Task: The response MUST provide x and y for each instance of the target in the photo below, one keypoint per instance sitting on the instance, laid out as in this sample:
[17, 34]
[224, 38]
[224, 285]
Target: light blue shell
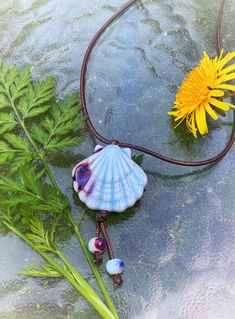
[115, 182]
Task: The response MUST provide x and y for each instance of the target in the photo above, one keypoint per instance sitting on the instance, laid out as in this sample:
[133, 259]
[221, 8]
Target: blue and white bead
[96, 245]
[115, 266]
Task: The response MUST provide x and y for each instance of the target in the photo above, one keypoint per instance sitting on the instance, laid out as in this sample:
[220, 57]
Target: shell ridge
[111, 167]
[116, 188]
[139, 174]
[118, 171]
[102, 193]
[97, 161]
[130, 184]
[103, 164]
[120, 181]
[112, 195]
[139, 188]
[133, 168]
[130, 163]
[107, 183]
[98, 170]
[126, 151]
[124, 194]
[123, 165]
[133, 192]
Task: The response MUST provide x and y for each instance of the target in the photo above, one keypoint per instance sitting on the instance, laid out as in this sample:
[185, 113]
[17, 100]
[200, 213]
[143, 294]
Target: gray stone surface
[179, 246]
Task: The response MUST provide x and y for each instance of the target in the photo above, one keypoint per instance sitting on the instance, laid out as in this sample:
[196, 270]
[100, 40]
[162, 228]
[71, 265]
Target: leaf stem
[73, 271]
[70, 274]
[53, 227]
[34, 144]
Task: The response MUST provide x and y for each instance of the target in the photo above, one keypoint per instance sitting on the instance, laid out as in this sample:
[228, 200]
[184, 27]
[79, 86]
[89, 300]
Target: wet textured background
[179, 245]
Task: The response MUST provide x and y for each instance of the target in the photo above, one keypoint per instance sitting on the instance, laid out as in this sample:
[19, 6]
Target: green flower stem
[70, 217]
[73, 271]
[93, 267]
[70, 274]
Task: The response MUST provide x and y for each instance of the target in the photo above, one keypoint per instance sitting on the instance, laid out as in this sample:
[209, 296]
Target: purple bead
[82, 175]
[96, 245]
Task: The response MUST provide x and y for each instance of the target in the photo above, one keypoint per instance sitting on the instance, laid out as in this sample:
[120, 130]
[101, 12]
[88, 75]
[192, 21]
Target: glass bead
[96, 245]
[115, 266]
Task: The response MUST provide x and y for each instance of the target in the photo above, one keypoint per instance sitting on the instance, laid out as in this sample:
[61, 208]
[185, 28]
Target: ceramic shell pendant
[109, 181]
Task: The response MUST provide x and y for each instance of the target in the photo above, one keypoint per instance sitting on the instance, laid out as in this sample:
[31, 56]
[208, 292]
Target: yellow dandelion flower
[202, 92]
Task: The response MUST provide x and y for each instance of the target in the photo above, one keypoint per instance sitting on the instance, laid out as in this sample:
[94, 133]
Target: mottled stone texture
[178, 245]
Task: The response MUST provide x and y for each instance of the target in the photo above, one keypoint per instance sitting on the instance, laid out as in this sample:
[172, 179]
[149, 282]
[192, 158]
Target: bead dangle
[108, 181]
[114, 266]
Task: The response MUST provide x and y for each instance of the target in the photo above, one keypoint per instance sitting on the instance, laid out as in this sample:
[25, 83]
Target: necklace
[109, 180]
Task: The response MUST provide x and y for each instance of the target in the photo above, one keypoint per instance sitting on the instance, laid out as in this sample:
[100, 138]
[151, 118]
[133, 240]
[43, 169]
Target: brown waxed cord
[97, 234]
[105, 140]
[106, 237]
[98, 259]
[100, 226]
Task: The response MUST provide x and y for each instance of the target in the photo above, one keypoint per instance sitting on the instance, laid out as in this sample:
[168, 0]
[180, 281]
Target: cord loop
[145, 150]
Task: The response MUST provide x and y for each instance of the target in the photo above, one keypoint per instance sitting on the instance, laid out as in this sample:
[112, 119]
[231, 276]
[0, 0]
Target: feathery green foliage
[41, 270]
[138, 159]
[32, 126]
[54, 133]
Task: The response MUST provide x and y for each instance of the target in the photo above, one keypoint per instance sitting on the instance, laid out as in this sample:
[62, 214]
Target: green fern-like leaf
[4, 102]
[6, 153]
[29, 189]
[16, 153]
[39, 134]
[37, 100]
[39, 234]
[15, 158]
[36, 226]
[57, 144]
[56, 131]
[57, 200]
[7, 122]
[138, 159]
[22, 160]
[19, 82]
[17, 141]
[13, 83]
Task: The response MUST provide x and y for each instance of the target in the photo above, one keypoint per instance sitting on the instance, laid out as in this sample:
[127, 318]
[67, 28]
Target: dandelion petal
[221, 105]
[217, 93]
[211, 112]
[201, 120]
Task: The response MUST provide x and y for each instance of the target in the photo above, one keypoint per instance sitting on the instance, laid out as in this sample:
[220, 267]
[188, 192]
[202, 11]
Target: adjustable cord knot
[117, 281]
[101, 216]
[98, 259]
[115, 142]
